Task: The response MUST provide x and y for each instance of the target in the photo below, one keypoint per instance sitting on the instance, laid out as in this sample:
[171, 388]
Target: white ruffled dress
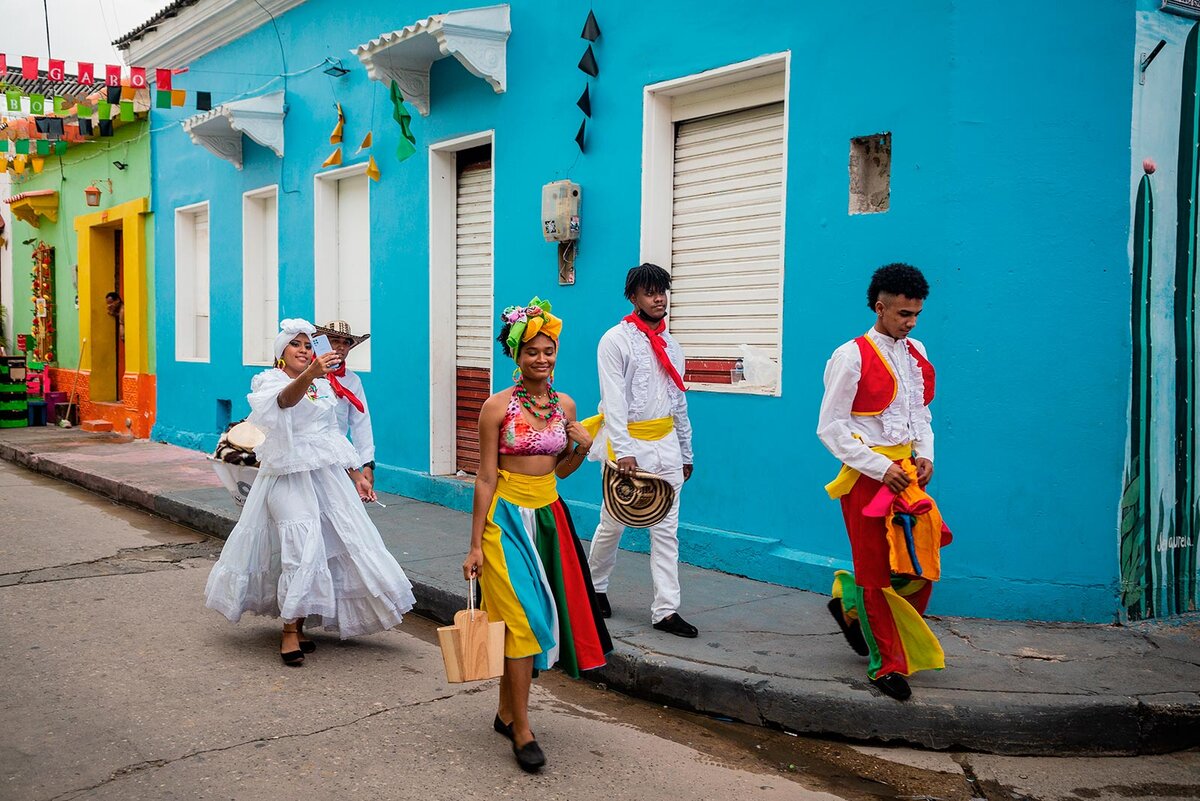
[304, 545]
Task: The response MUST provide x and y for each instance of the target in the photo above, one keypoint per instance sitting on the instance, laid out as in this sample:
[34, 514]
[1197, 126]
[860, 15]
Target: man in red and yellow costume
[875, 419]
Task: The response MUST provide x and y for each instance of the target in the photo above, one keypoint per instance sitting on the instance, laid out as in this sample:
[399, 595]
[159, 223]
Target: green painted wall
[69, 174]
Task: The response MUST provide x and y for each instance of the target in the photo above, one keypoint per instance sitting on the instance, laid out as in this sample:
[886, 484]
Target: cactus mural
[1179, 558]
[1137, 544]
[1159, 512]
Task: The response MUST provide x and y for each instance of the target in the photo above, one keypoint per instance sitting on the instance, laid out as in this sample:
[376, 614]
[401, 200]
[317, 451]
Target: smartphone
[321, 346]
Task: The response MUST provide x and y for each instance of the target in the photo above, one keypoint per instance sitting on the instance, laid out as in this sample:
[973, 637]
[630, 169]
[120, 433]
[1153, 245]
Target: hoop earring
[279, 363]
[516, 375]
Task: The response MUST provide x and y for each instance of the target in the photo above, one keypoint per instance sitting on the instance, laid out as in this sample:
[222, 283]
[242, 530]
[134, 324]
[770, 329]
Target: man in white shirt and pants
[645, 423]
[354, 416]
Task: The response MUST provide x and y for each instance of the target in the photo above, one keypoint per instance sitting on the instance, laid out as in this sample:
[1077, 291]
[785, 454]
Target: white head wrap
[288, 330]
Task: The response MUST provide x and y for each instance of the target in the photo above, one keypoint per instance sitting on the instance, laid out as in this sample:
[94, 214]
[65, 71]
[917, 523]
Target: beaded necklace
[544, 412]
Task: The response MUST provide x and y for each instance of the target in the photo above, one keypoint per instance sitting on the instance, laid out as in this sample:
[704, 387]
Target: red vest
[877, 386]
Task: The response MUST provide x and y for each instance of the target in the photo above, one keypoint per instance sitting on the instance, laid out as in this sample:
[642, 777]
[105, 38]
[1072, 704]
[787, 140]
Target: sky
[80, 30]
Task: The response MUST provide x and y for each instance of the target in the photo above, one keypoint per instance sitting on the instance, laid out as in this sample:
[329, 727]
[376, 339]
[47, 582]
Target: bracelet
[370, 464]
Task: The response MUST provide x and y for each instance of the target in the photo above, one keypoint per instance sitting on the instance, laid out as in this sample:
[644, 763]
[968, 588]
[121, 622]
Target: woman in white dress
[304, 545]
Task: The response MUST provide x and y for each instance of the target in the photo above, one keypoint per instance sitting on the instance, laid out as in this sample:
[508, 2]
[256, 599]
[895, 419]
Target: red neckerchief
[659, 345]
[341, 391]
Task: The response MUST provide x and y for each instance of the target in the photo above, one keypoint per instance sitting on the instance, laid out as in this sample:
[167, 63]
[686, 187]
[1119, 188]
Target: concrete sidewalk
[766, 654]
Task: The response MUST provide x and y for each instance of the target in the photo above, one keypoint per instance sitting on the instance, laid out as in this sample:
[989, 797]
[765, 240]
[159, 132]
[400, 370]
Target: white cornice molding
[476, 37]
[220, 131]
[200, 29]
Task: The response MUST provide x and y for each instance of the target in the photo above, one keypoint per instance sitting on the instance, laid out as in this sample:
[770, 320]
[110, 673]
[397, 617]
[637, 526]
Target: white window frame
[443, 258]
[325, 198]
[717, 91]
[256, 329]
[185, 268]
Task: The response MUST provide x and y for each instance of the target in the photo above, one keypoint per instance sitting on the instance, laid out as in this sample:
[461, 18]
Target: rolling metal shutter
[727, 237]
[473, 308]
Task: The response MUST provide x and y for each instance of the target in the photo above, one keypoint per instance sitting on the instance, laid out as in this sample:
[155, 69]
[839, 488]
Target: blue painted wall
[1010, 188]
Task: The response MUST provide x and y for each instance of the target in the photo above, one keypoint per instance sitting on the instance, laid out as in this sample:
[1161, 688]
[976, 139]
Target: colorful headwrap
[288, 329]
[528, 321]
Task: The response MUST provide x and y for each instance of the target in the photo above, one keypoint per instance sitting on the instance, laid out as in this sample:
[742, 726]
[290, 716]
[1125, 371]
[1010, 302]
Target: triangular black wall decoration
[579, 136]
[588, 63]
[591, 28]
[585, 101]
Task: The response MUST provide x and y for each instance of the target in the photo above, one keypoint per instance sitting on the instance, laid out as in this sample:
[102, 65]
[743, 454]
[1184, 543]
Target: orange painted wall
[136, 406]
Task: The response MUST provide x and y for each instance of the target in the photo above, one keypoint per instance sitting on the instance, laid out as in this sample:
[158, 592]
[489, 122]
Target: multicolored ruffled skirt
[535, 578]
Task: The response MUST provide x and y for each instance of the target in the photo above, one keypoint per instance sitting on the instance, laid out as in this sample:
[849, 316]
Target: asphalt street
[120, 685]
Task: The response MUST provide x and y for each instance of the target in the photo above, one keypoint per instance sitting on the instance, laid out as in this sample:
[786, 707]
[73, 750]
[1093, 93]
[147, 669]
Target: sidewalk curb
[998, 722]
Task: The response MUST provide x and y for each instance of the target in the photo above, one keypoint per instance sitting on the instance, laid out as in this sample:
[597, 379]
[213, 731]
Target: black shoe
[502, 728]
[602, 602]
[529, 756]
[307, 646]
[292, 658]
[676, 625]
[893, 685]
[851, 631]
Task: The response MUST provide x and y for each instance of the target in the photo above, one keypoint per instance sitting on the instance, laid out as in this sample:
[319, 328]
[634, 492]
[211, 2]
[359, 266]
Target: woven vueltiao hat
[640, 500]
[341, 328]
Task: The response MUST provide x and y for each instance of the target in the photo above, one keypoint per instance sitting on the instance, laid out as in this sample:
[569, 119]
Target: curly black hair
[503, 339]
[897, 279]
[647, 276]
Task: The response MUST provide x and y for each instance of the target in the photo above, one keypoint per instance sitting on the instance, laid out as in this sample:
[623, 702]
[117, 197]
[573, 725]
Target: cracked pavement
[766, 654]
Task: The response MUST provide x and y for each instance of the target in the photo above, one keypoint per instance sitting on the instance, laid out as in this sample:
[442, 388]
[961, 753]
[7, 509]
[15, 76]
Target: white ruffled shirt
[906, 418]
[300, 438]
[635, 387]
[356, 422]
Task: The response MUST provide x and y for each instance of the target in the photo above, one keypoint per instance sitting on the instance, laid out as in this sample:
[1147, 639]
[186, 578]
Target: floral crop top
[519, 438]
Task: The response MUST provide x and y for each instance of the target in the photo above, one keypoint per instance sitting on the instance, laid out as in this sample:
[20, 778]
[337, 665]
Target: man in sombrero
[353, 414]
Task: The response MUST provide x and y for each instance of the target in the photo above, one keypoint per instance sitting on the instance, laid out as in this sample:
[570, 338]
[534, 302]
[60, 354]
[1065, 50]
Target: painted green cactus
[1137, 541]
[1178, 560]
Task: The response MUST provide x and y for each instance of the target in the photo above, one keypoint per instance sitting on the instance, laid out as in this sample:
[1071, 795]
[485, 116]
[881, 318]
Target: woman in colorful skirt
[304, 544]
[532, 571]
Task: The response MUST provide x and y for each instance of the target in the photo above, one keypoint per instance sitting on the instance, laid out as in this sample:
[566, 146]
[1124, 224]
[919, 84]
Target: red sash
[341, 391]
[659, 346]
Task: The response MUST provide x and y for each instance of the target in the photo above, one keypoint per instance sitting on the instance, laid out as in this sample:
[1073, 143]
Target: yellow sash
[645, 430]
[529, 492]
[848, 475]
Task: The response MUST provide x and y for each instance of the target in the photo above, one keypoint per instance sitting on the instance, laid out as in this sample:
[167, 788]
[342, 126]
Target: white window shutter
[727, 236]
[473, 270]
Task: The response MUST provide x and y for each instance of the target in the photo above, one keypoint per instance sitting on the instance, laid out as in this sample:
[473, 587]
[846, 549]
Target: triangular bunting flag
[408, 142]
[203, 101]
[585, 102]
[162, 98]
[372, 169]
[334, 159]
[591, 28]
[579, 136]
[588, 63]
[366, 142]
[335, 138]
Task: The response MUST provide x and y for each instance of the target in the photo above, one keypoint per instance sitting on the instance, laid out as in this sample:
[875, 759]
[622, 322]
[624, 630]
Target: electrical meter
[560, 211]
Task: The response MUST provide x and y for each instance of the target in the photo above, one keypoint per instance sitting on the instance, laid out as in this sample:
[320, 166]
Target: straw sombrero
[341, 328]
[640, 500]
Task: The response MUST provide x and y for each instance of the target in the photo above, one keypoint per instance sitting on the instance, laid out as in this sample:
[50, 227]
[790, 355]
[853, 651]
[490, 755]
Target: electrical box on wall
[560, 211]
